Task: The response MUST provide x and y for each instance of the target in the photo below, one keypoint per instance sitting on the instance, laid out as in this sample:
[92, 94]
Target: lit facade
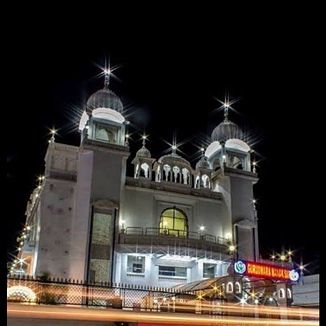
[167, 223]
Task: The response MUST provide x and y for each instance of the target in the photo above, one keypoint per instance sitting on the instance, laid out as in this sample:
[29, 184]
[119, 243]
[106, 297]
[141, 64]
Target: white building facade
[166, 224]
[306, 292]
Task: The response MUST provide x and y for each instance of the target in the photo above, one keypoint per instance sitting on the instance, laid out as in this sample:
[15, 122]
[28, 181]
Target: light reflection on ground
[240, 316]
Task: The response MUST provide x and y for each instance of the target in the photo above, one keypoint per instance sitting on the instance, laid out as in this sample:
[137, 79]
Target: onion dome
[174, 159]
[143, 152]
[202, 163]
[227, 129]
[104, 98]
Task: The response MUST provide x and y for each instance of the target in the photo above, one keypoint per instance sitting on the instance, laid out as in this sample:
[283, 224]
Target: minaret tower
[143, 162]
[229, 155]
[101, 174]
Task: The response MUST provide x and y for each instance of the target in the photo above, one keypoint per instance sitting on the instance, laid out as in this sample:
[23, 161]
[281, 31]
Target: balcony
[170, 241]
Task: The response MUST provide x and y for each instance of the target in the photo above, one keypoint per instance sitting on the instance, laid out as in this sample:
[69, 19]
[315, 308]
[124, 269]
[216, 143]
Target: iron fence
[21, 288]
[72, 292]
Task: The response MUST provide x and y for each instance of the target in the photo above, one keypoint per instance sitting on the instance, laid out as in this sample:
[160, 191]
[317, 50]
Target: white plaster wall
[57, 202]
[307, 292]
[150, 277]
[80, 222]
[241, 199]
[106, 176]
[223, 184]
[210, 215]
[143, 209]
[133, 278]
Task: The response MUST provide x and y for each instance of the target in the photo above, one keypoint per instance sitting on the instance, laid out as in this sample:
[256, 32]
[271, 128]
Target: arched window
[176, 174]
[174, 222]
[289, 293]
[144, 169]
[205, 181]
[229, 287]
[237, 287]
[166, 172]
[105, 134]
[281, 293]
[185, 176]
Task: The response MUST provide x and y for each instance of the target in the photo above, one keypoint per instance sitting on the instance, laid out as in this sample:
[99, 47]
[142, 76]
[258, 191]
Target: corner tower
[230, 156]
[101, 173]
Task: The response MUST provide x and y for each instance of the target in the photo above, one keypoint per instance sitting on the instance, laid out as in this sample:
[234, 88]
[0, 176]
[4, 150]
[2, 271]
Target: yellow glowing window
[173, 222]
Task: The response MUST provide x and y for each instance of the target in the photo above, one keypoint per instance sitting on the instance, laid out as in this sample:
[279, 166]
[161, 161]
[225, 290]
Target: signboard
[250, 268]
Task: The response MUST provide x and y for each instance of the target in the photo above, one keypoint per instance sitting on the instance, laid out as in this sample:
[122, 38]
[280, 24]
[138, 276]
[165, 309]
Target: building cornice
[148, 185]
[107, 147]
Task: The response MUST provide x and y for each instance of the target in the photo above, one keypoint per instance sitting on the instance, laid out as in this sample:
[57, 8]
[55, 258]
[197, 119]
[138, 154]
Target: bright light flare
[226, 104]
[107, 70]
[21, 292]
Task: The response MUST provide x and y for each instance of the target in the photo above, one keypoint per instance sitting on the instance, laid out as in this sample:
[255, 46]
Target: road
[31, 314]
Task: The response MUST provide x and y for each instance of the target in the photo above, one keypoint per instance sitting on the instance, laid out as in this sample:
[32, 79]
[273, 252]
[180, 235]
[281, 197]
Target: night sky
[170, 78]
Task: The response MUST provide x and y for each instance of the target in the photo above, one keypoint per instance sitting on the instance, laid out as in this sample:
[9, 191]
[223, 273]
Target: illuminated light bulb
[282, 257]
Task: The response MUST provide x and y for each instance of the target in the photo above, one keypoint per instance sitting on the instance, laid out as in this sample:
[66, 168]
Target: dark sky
[170, 75]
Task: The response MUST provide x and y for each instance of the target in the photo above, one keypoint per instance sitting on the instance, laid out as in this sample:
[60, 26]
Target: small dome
[143, 152]
[202, 163]
[174, 159]
[104, 98]
[226, 130]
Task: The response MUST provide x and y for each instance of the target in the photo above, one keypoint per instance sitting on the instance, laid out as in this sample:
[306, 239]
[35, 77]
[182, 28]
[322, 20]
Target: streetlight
[282, 257]
[201, 230]
[232, 251]
[290, 253]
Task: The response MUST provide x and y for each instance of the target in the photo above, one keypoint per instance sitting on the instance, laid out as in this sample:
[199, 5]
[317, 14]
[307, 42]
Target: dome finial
[144, 140]
[202, 149]
[174, 149]
[226, 105]
[52, 132]
[226, 111]
[107, 73]
[143, 152]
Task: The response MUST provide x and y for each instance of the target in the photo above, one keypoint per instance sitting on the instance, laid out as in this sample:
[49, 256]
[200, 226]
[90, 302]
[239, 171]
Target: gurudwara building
[167, 223]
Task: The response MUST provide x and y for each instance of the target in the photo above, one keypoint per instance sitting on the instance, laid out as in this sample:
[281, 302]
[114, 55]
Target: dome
[143, 152]
[174, 160]
[226, 130]
[236, 144]
[104, 98]
[202, 163]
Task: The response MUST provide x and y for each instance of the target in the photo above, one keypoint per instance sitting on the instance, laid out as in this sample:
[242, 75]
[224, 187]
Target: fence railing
[151, 231]
[191, 243]
[73, 292]
[51, 291]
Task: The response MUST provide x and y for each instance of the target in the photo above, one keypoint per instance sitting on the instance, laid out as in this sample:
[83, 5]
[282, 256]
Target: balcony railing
[171, 237]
